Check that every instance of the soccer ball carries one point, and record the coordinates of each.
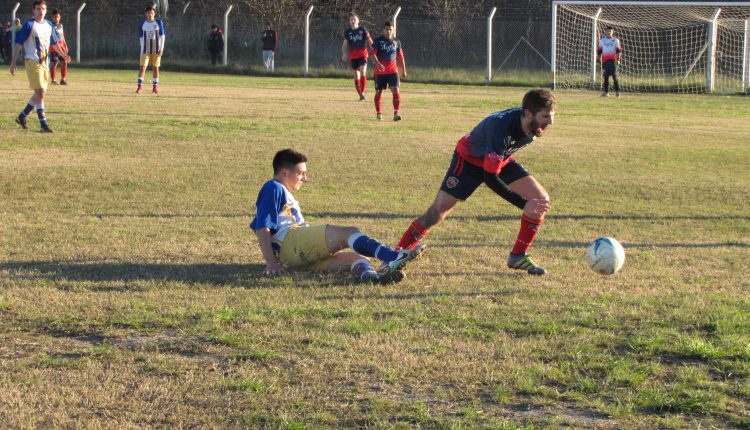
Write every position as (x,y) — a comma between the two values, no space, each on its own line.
(605,255)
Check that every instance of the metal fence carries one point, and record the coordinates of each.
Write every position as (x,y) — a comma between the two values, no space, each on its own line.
(439,49)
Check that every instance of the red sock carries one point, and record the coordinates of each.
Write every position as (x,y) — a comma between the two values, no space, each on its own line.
(397,101)
(63,70)
(378,102)
(53,70)
(412,236)
(362,84)
(526,235)
(356,85)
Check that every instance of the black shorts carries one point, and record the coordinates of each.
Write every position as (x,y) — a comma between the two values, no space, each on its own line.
(609,68)
(384,81)
(356,63)
(462,177)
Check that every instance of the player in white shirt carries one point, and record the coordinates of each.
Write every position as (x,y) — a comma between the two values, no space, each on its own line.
(152,35)
(610,50)
(34,38)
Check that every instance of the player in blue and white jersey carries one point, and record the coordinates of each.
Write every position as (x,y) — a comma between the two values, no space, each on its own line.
(34,38)
(152,36)
(287,241)
(485,156)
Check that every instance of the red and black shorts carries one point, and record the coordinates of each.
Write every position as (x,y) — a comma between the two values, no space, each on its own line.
(462,177)
(609,68)
(384,81)
(356,63)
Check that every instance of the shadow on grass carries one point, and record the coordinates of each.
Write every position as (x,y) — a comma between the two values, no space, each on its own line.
(569,244)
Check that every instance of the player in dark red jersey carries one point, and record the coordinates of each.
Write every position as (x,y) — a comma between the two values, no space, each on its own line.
(388,55)
(354,49)
(485,155)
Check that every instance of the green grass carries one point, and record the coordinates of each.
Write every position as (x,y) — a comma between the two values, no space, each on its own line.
(131,293)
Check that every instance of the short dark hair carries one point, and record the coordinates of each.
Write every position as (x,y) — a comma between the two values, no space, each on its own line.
(538,99)
(609,27)
(38,3)
(388,24)
(148,8)
(56,12)
(286,159)
(351,14)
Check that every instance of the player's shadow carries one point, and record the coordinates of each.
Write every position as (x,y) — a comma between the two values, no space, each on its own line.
(243,275)
(570,244)
(515,217)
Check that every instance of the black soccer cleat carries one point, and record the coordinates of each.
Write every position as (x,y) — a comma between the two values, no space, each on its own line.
(22,122)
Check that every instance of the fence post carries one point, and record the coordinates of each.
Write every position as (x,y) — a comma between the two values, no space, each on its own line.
(184,9)
(226,33)
(711,55)
(594,46)
(13,26)
(395,18)
(78,32)
(489,45)
(307,40)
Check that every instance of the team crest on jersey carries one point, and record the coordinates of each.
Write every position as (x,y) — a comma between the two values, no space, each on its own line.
(451,182)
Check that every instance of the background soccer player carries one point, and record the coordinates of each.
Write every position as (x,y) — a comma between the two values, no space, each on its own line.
(356,42)
(485,155)
(388,56)
(610,50)
(152,37)
(287,241)
(54,57)
(34,38)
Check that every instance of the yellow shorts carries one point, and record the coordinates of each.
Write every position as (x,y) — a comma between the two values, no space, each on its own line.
(153,59)
(305,247)
(38,75)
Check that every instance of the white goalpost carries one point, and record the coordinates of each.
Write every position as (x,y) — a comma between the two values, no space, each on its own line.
(670,46)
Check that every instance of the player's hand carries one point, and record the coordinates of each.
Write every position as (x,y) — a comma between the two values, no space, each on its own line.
(403,75)
(537,206)
(67,59)
(13,69)
(380,66)
(273,268)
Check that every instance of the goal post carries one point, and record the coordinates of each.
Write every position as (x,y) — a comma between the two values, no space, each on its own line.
(669,46)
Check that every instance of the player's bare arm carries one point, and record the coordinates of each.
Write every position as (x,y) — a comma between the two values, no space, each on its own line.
(273,265)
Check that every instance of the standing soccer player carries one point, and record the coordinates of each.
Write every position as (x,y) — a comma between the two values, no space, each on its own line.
(34,38)
(356,42)
(54,56)
(388,56)
(485,155)
(152,36)
(610,50)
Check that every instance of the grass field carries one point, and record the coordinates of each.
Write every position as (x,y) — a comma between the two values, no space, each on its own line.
(131,293)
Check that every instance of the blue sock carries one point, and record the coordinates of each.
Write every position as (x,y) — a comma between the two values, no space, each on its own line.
(368,247)
(27,110)
(40,114)
(140,81)
(156,82)
(362,268)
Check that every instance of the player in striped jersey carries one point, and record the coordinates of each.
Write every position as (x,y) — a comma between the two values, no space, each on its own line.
(356,43)
(485,155)
(152,35)
(610,50)
(288,242)
(54,57)
(388,55)
(34,39)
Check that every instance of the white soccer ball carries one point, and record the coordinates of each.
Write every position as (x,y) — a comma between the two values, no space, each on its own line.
(605,255)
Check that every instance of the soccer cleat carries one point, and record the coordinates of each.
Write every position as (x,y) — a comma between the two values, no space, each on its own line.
(393,277)
(155,90)
(46,129)
(362,97)
(617,94)
(21,121)
(55,83)
(379,117)
(139,89)
(605,94)
(524,262)
(62,82)
(404,256)
(396,117)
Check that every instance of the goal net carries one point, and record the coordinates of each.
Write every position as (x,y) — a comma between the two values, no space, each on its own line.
(687,47)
